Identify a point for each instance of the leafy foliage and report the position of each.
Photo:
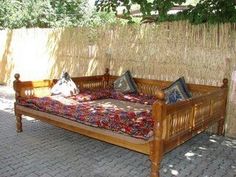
(49, 13)
(163, 6)
(69, 13)
(210, 11)
(146, 6)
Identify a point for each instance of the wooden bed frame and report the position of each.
(173, 124)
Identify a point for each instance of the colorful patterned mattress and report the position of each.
(123, 113)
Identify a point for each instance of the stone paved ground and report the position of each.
(47, 151)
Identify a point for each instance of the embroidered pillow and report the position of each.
(177, 91)
(125, 83)
(65, 86)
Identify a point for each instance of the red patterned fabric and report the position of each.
(82, 108)
(134, 97)
(89, 95)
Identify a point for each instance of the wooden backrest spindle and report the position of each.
(106, 77)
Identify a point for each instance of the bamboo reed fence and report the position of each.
(203, 54)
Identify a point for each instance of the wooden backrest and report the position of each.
(149, 86)
(146, 86)
(89, 82)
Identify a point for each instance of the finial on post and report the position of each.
(225, 83)
(15, 85)
(17, 76)
(160, 95)
(107, 70)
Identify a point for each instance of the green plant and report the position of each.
(147, 7)
(50, 13)
(205, 11)
(212, 11)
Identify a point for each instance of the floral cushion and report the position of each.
(177, 91)
(125, 83)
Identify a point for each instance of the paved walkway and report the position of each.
(47, 151)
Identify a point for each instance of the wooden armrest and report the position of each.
(32, 88)
(195, 115)
(43, 87)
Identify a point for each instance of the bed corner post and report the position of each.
(221, 122)
(17, 94)
(156, 146)
(106, 77)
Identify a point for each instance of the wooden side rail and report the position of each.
(189, 118)
(176, 123)
(31, 88)
(42, 87)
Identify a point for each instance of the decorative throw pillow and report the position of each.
(65, 86)
(177, 91)
(125, 83)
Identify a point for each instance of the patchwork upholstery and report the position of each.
(124, 117)
(177, 91)
(89, 94)
(133, 97)
(125, 83)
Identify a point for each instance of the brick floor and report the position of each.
(42, 150)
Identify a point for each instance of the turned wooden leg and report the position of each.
(220, 128)
(155, 167)
(155, 157)
(18, 123)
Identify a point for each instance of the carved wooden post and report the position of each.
(221, 122)
(156, 146)
(106, 78)
(17, 94)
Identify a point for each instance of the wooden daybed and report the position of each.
(173, 123)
